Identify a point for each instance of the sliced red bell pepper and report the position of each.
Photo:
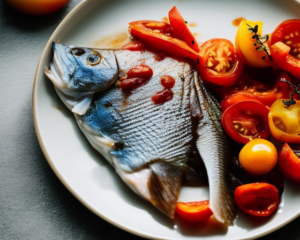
(180, 29)
(158, 35)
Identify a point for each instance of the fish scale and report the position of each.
(141, 139)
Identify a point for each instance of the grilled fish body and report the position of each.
(150, 145)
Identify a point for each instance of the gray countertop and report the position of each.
(34, 204)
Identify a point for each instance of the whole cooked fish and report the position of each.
(155, 148)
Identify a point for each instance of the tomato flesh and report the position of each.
(289, 163)
(194, 211)
(219, 63)
(288, 32)
(258, 199)
(246, 120)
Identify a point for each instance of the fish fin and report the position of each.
(211, 134)
(164, 186)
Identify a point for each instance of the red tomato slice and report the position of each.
(180, 29)
(246, 120)
(194, 211)
(258, 199)
(281, 55)
(219, 62)
(289, 163)
(158, 35)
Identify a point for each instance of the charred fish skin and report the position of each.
(211, 134)
(148, 144)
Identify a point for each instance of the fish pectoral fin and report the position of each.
(164, 186)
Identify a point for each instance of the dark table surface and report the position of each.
(34, 204)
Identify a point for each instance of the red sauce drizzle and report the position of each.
(167, 81)
(136, 77)
(160, 56)
(162, 96)
(134, 46)
(165, 95)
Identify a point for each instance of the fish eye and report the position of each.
(93, 59)
(77, 51)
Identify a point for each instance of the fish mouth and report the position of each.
(56, 72)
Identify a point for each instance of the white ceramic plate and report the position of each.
(85, 173)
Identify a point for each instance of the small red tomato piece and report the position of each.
(246, 120)
(194, 211)
(219, 63)
(258, 199)
(233, 99)
(289, 163)
(167, 81)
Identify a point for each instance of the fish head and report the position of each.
(85, 69)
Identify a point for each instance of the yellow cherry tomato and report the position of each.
(37, 7)
(258, 157)
(251, 46)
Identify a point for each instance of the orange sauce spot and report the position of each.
(236, 22)
(192, 24)
(113, 41)
(197, 34)
(165, 19)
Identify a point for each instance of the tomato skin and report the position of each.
(287, 62)
(216, 49)
(285, 29)
(180, 29)
(248, 87)
(197, 212)
(258, 199)
(258, 156)
(286, 130)
(250, 115)
(289, 164)
(246, 45)
(143, 30)
(37, 7)
(233, 99)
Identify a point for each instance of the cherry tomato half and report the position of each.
(289, 163)
(251, 47)
(288, 32)
(258, 156)
(246, 120)
(258, 199)
(158, 35)
(180, 29)
(284, 122)
(37, 7)
(219, 63)
(194, 211)
(286, 61)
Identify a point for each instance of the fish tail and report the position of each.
(164, 186)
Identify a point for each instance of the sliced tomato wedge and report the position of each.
(258, 199)
(246, 120)
(194, 211)
(181, 30)
(219, 62)
(158, 35)
(289, 163)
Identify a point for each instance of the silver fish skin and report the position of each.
(148, 144)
